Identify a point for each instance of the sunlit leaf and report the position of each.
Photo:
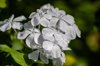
(70, 60)
(17, 45)
(17, 56)
(3, 4)
(81, 62)
(93, 40)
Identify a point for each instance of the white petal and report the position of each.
(61, 42)
(72, 32)
(57, 62)
(44, 22)
(60, 60)
(69, 19)
(56, 51)
(32, 14)
(35, 21)
(31, 43)
(63, 26)
(77, 30)
(20, 18)
(67, 29)
(62, 12)
(29, 40)
(63, 57)
(5, 26)
(69, 48)
(48, 34)
(3, 22)
(34, 55)
(47, 45)
(66, 37)
(48, 16)
(44, 58)
(53, 12)
(17, 25)
(36, 30)
(40, 39)
(36, 37)
(56, 11)
(39, 11)
(28, 25)
(11, 18)
(53, 22)
(35, 46)
(23, 34)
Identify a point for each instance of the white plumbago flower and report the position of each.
(49, 31)
(69, 30)
(59, 61)
(48, 16)
(57, 37)
(35, 56)
(53, 51)
(12, 23)
(32, 36)
(60, 20)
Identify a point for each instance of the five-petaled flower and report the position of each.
(12, 23)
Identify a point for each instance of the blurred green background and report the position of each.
(85, 50)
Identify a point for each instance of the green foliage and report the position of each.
(16, 43)
(81, 62)
(17, 56)
(3, 4)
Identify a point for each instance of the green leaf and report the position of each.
(17, 44)
(17, 56)
(3, 4)
(5, 48)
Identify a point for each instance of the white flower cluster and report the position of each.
(12, 23)
(48, 32)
